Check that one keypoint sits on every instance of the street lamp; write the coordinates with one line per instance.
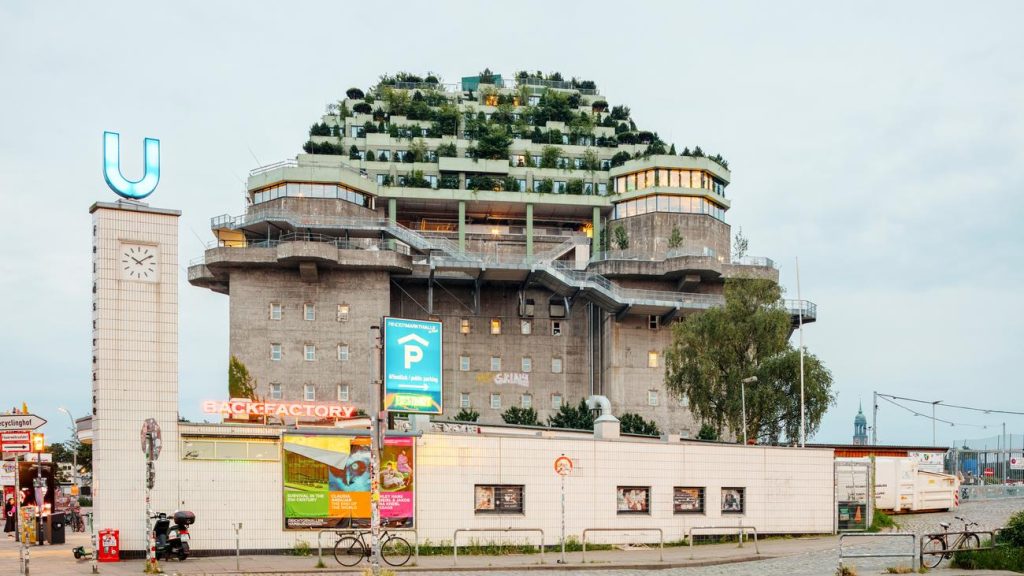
(743, 402)
(74, 453)
(933, 420)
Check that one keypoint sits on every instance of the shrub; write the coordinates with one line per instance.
(881, 521)
(301, 548)
(599, 106)
(1013, 533)
(520, 416)
(353, 153)
(620, 158)
(621, 238)
(549, 157)
(635, 424)
(447, 150)
(449, 182)
(326, 148)
(370, 157)
(362, 108)
(509, 183)
(493, 143)
(355, 93)
(85, 501)
(574, 417)
(321, 129)
(574, 186)
(466, 415)
(620, 113)
(415, 179)
(546, 186)
(481, 182)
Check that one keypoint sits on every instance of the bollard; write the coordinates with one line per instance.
(238, 553)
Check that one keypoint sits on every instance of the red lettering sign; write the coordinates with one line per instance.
(244, 407)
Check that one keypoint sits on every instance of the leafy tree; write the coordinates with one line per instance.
(362, 108)
(370, 157)
(675, 239)
(707, 432)
(509, 184)
(574, 417)
(740, 244)
(447, 118)
(418, 149)
(546, 186)
(520, 416)
(355, 93)
(240, 383)
(621, 237)
(447, 150)
(549, 157)
(619, 113)
(353, 152)
(620, 158)
(712, 352)
(467, 415)
(493, 143)
(415, 179)
(672, 150)
(574, 186)
(635, 424)
(591, 162)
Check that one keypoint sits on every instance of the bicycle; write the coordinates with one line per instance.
(350, 550)
(938, 547)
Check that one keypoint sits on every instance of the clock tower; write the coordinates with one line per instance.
(134, 361)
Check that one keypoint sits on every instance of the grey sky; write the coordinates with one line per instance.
(881, 144)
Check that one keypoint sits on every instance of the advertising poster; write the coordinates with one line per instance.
(688, 500)
(327, 481)
(413, 375)
(732, 500)
(499, 499)
(633, 499)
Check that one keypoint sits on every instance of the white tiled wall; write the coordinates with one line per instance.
(788, 490)
(135, 370)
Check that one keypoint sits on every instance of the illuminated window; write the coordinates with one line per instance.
(308, 393)
(495, 364)
(309, 311)
(652, 359)
(275, 352)
(495, 326)
(526, 326)
(652, 397)
(464, 326)
(342, 392)
(556, 401)
(527, 364)
(275, 391)
(496, 401)
(275, 311)
(310, 352)
(526, 401)
(464, 400)
(464, 363)
(343, 352)
(342, 312)
(556, 365)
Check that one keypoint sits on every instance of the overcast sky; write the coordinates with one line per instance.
(882, 145)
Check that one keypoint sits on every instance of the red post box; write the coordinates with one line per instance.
(110, 546)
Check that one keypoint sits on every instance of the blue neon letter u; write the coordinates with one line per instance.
(123, 187)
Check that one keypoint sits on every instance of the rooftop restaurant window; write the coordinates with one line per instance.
(309, 190)
(674, 204)
(673, 178)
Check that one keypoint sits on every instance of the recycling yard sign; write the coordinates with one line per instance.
(412, 366)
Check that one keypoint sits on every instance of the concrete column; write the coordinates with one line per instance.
(595, 247)
(462, 225)
(529, 229)
(392, 210)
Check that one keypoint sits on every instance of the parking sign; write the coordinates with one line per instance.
(412, 366)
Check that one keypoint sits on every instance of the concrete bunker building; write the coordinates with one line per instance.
(555, 240)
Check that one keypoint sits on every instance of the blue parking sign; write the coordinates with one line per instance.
(412, 366)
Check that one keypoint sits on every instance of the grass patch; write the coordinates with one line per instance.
(999, 558)
(882, 521)
(899, 570)
(846, 571)
(301, 548)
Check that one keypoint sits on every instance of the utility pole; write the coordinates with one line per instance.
(800, 312)
(933, 420)
(376, 414)
(874, 418)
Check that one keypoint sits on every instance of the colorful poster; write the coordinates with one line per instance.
(327, 481)
(733, 500)
(633, 500)
(688, 500)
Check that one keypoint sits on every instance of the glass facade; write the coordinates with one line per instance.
(307, 190)
(670, 177)
(663, 203)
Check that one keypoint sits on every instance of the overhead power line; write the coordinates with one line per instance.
(958, 406)
(890, 400)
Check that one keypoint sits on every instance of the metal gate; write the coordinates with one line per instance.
(854, 508)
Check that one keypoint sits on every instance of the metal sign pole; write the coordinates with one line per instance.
(563, 522)
(375, 446)
(17, 515)
(151, 566)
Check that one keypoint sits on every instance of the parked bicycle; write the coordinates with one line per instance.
(938, 546)
(75, 521)
(349, 550)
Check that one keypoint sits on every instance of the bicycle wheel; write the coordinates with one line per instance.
(396, 551)
(936, 545)
(348, 551)
(970, 541)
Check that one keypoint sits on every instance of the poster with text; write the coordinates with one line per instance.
(326, 481)
(633, 499)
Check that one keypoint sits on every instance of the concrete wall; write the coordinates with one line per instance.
(788, 490)
(651, 232)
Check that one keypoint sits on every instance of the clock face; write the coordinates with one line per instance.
(139, 262)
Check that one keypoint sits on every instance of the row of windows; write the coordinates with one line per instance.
(309, 392)
(675, 204)
(495, 326)
(308, 311)
(511, 499)
(224, 449)
(669, 177)
(308, 190)
(308, 352)
(563, 162)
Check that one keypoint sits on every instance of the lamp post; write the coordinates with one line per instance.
(743, 402)
(933, 420)
(74, 454)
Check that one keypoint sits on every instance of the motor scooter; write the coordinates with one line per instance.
(173, 540)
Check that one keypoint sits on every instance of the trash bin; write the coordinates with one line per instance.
(55, 528)
(110, 546)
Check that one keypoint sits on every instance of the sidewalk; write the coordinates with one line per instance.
(58, 559)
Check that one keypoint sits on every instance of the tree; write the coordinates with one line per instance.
(418, 149)
(520, 416)
(713, 351)
(493, 143)
(591, 162)
(467, 415)
(707, 432)
(240, 383)
(621, 237)
(631, 423)
(573, 417)
(675, 239)
(740, 244)
(549, 156)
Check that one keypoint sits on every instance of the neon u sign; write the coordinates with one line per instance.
(131, 189)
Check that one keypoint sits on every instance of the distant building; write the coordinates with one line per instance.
(860, 428)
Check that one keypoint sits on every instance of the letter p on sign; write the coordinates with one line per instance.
(413, 352)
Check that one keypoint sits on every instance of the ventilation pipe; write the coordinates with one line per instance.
(606, 426)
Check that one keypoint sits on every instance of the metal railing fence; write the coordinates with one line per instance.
(844, 553)
(725, 531)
